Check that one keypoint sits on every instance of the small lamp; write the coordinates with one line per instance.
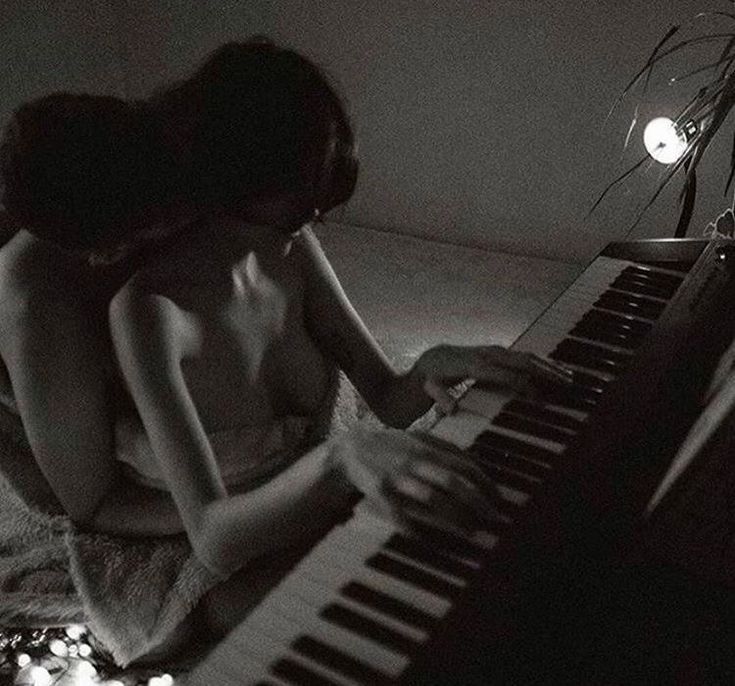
(665, 141)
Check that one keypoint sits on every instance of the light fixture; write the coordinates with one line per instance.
(665, 141)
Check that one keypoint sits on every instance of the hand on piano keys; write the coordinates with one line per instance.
(492, 366)
(412, 481)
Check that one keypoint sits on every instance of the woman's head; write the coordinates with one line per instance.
(264, 123)
(83, 171)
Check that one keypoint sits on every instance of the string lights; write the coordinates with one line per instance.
(65, 656)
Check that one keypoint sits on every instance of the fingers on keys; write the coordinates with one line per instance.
(433, 490)
(492, 366)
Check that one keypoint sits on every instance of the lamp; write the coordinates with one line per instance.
(665, 141)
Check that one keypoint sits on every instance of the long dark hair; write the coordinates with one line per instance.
(262, 120)
(92, 173)
(81, 170)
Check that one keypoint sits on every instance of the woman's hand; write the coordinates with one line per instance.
(441, 367)
(413, 481)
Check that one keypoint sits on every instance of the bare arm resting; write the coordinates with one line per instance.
(56, 366)
(225, 530)
(399, 399)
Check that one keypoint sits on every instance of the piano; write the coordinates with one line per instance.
(562, 591)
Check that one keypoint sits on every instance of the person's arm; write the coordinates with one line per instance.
(399, 399)
(225, 531)
(56, 369)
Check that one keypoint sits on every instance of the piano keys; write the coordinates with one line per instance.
(370, 605)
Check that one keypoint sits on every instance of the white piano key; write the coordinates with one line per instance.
(319, 596)
(284, 619)
(485, 403)
(340, 559)
(431, 604)
(489, 404)
(343, 545)
(242, 657)
(460, 429)
(535, 441)
(269, 635)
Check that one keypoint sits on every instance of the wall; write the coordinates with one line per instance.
(58, 45)
(480, 122)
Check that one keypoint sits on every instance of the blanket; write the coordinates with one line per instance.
(131, 593)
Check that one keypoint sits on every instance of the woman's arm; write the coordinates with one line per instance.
(57, 365)
(225, 531)
(397, 399)
(400, 399)
(56, 371)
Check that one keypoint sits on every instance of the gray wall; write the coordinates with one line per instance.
(480, 122)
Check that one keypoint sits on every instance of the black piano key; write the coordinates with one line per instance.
(639, 286)
(500, 472)
(543, 414)
(429, 555)
(579, 398)
(590, 356)
(672, 280)
(591, 349)
(530, 427)
(517, 447)
(364, 626)
(448, 542)
(630, 304)
(617, 320)
(588, 382)
(334, 659)
(582, 394)
(298, 674)
(388, 605)
(485, 452)
(414, 576)
(620, 338)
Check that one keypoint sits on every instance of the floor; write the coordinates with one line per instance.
(413, 293)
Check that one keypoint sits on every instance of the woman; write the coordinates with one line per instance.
(228, 330)
(74, 168)
(234, 332)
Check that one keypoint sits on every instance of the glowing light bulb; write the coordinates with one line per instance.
(75, 631)
(85, 670)
(40, 676)
(664, 141)
(58, 648)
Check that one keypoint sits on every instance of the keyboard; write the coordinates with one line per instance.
(366, 604)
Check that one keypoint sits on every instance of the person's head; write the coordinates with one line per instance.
(265, 128)
(84, 171)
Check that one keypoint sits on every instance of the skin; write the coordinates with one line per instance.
(59, 370)
(236, 327)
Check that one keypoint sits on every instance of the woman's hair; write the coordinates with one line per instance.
(93, 172)
(80, 170)
(263, 120)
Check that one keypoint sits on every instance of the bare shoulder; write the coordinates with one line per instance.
(147, 325)
(38, 296)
